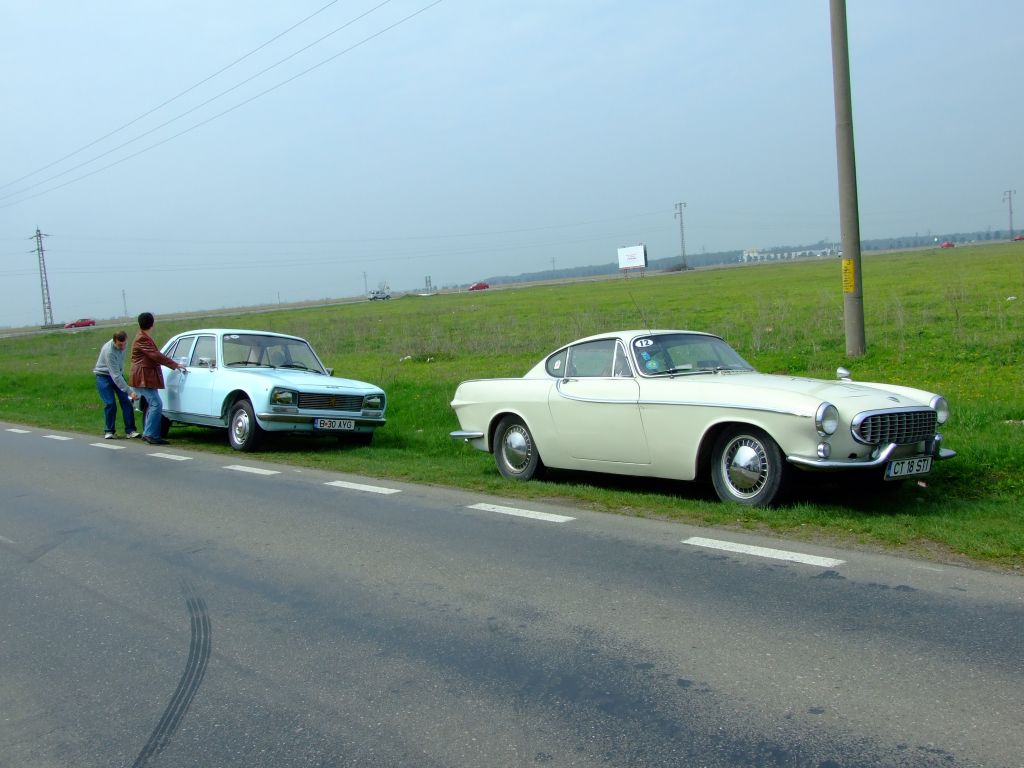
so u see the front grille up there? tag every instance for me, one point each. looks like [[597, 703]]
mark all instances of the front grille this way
[[900, 426], [349, 403]]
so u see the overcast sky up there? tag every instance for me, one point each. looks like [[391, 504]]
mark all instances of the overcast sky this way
[[185, 155]]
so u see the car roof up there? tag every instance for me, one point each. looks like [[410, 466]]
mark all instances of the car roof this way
[[627, 335], [229, 331]]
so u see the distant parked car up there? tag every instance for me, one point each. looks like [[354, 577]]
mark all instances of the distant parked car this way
[[948, 244], [379, 294], [84, 322], [253, 382], [684, 405], [1019, 237], [479, 286]]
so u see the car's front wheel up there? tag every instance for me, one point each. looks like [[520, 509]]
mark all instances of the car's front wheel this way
[[747, 467], [243, 431], [515, 452]]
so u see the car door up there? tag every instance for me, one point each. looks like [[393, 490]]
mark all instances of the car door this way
[[595, 405], [174, 381], [197, 385]]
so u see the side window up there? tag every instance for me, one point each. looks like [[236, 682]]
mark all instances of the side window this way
[[182, 351], [592, 358], [556, 364], [205, 352], [621, 365]]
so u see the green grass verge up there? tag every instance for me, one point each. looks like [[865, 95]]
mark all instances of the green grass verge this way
[[940, 320]]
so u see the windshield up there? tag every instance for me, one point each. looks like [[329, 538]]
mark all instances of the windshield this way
[[251, 349], [682, 353]]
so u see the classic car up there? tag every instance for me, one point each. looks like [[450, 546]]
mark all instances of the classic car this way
[[83, 322], [684, 405], [253, 382], [481, 286]]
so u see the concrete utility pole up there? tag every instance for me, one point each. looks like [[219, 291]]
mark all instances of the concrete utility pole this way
[[47, 309], [1008, 198], [682, 236], [849, 215]]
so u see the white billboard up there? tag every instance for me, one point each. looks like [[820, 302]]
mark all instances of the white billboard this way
[[633, 257]]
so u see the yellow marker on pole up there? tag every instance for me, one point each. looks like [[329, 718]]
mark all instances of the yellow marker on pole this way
[[849, 276]]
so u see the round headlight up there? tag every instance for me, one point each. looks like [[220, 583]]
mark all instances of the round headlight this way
[[941, 408], [826, 420]]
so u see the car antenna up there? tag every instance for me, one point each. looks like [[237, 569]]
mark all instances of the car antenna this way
[[643, 317]]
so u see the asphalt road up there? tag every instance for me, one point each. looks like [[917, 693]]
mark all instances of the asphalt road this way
[[170, 608]]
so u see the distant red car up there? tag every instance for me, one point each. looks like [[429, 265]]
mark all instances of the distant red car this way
[[82, 323], [948, 244], [1019, 237], [479, 286]]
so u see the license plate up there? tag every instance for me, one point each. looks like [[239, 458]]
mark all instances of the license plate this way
[[334, 424], [896, 470]]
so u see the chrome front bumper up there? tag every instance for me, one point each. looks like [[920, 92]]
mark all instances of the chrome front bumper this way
[[933, 448]]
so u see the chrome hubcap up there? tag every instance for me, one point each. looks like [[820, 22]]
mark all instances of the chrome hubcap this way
[[516, 448], [746, 466], [240, 426]]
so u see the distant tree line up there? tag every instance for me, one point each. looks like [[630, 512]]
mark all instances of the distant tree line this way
[[675, 263]]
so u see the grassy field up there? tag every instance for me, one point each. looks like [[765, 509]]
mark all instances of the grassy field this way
[[940, 320]]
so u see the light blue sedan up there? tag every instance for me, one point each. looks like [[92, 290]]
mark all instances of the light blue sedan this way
[[253, 382]]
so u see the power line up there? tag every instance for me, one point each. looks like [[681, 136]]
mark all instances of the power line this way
[[207, 102], [362, 240], [170, 100]]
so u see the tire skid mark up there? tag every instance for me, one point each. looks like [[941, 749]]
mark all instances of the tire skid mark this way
[[191, 678]]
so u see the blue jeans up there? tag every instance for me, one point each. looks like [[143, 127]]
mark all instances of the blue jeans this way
[[154, 410], [111, 395]]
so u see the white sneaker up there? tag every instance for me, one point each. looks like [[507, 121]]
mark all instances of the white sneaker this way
[[133, 434], [108, 435]]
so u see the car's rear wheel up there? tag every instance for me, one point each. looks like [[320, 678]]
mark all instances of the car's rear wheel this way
[[515, 452], [243, 432], [747, 467]]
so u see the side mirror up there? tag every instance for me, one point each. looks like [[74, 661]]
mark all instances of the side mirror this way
[[842, 374]]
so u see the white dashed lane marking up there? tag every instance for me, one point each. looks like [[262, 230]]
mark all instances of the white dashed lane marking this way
[[252, 470], [522, 513], [697, 541], [775, 554], [171, 456], [361, 487]]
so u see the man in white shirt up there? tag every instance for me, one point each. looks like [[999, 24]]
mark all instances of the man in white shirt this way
[[110, 383]]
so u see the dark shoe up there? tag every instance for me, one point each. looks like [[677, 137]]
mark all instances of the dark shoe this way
[[155, 440]]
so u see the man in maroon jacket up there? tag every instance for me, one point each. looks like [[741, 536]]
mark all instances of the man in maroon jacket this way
[[147, 378]]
